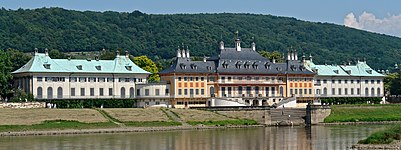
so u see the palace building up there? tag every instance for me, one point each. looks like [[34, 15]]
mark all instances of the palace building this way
[[236, 76]]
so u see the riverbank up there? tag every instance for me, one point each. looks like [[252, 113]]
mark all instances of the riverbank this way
[[358, 114], [121, 130], [384, 139]]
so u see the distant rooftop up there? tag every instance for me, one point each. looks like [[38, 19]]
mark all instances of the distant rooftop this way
[[42, 63], [359, 69]]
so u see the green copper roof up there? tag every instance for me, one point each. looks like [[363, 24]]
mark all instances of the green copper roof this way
[[43, 63], [359, 69]]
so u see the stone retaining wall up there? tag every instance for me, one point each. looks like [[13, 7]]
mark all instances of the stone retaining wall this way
[[23, 105]]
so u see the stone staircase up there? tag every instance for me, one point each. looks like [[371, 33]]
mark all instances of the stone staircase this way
[[285, 101], [288, 115], [237, 100]]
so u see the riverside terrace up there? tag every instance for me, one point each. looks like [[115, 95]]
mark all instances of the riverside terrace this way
[[234, 77]]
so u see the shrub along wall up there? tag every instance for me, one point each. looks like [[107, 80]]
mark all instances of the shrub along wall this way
[[351, 100], [90, 103]]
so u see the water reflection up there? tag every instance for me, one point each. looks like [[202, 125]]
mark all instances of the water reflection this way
[[316, 137]]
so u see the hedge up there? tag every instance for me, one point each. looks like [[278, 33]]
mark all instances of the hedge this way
[[90, 103], [351, 100]]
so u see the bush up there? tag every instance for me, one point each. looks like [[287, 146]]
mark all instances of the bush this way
[[383, 137], [90, 103]]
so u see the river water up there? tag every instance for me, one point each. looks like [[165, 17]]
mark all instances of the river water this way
[[283, 138]]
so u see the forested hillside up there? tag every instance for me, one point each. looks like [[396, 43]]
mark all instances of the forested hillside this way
[[158, 36]]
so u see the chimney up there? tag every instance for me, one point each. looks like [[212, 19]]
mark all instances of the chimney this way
[[183, 53], [35, 51], [97, 57], [118, 53], [178, 52], [46, 52], [292, 55], [274, 60], [126, 54], [296, 55], [288, 55], [310, 57], [204, 59], [221, 45], [238, 44], [69, 57], [303, 57], [188, 52], [253, 46]]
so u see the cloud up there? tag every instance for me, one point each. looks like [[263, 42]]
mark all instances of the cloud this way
[[390, 25]]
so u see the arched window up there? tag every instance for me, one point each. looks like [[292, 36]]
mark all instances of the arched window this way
[[256, 91], [212, 91], [378, 92], [240, 90], [366, 91], [281, 91], [59, 92], [49, 93], [372, 91], [131, 92], [122, 92], [325, 91], [39, 92]]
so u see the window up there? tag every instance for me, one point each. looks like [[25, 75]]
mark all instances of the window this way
[[346, 91], [300, 91], [267, 91], [73, 79], [72, 92], [101, 79], [366, 91], [378, 81], [59, 92], [256, 78], [248, 78], [40, 79], [196, 78], [366, 81], [185, 91], [296, 91], [325, 91], [310, 91], [157, 92], [240, 90], [273, 91], [256, 90], [92, 79], [126, 80], [378, 92], [138, 92], [324, 81], [202, 78], [185, 78], [333, 91], [191, 92], [110, 80], [305, 91], [223, 79], [372, 81], [92, 91], [110, 91], [291, 92], [358, 81], [345, 81], [317, 91], [146, 92], [228, 78], [352, 81], [352, 90], [122, 92], [318, 81], [179, 91], [333, 81], [196, 91], [167, 91], [191, 78], [372, 90], [82, 91], [39, 92], [358, 91], [339, 81], [179, 78], [82, 79], [131, 92], [339, 91], [223, 91], [49, 92], [202, 91], [101, 92]]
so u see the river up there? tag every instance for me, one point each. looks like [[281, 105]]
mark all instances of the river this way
[[316, 137]]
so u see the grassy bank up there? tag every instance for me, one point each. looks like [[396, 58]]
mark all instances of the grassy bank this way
[[383, 137], [56, 125], [364, 113], [224, 122]]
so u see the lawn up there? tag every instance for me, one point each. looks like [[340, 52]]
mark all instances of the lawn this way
[[56, 125], [383, 137], [364, 113], [199, 115], [38, 116]]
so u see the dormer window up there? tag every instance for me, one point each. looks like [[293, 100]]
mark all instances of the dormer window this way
[[369, 71], [98, 67], [193, 66], [224, 64], [129, 68], [335, 71], [47, 66], [79, 67], [348, 71], [267, 65], [182, 66], [237, 65], [254, 65]]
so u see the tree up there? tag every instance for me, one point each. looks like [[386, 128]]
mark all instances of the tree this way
[[56, 54], [5, 74], [18, 58], [272, 55], [147, 64]]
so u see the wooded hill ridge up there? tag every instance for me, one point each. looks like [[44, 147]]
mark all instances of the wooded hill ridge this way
[[158, 35]]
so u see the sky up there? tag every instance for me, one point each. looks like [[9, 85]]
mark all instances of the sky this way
[[371, 15]]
